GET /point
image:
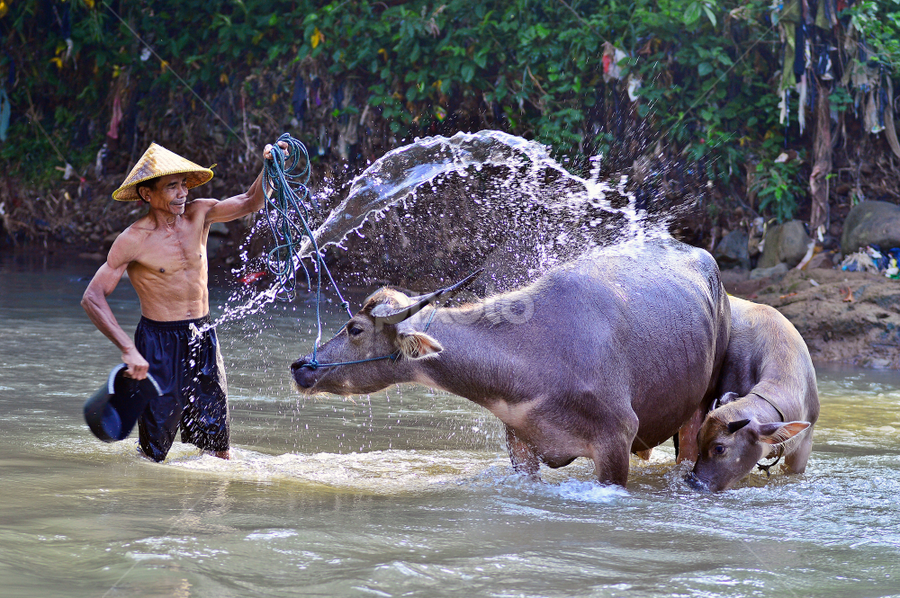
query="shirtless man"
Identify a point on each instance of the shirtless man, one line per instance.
(164, 253)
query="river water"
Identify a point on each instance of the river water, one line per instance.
(403, 493)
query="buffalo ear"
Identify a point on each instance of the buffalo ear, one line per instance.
(777, 432)
(418, 345)
(737, 425)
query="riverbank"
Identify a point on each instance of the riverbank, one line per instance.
(844, 317)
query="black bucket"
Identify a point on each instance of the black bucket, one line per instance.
(113, 410)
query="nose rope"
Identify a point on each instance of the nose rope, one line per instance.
(287, 203)
(313, 364)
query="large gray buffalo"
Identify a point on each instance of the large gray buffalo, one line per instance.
(602, 356)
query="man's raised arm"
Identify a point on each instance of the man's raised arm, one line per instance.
(252, 200)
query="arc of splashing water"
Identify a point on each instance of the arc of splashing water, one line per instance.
(399, 173)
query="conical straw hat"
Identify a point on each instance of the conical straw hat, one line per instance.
(158, 161)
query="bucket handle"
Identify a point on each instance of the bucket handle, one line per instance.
(110, 384)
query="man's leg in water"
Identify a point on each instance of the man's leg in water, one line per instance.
(204, 422)
(161, 344)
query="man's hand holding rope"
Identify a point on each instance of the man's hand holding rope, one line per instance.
(267, 153)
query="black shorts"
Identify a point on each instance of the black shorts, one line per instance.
(188, 367)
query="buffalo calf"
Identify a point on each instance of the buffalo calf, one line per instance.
(769, 402)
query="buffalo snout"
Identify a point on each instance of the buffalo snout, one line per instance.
(302, 373)
(695, 482)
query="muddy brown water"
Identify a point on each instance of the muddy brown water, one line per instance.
(402, 493)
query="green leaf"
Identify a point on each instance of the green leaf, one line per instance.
(467, 72)
(480, 57)
(704, 68)
(692, 13)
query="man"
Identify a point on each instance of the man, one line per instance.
(164, 253)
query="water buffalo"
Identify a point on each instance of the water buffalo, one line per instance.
(768, 397)
(603, 355)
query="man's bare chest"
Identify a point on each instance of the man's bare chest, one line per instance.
(169, 252)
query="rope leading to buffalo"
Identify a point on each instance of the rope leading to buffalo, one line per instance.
(288, 210)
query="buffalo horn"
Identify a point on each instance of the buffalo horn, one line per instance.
(384, 315)
(737, 425)
(728, 397)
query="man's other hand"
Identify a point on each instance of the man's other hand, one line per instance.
(137, 365)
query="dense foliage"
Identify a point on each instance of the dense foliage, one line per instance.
(688, 89)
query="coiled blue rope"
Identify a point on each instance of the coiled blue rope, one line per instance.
(288, 211)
